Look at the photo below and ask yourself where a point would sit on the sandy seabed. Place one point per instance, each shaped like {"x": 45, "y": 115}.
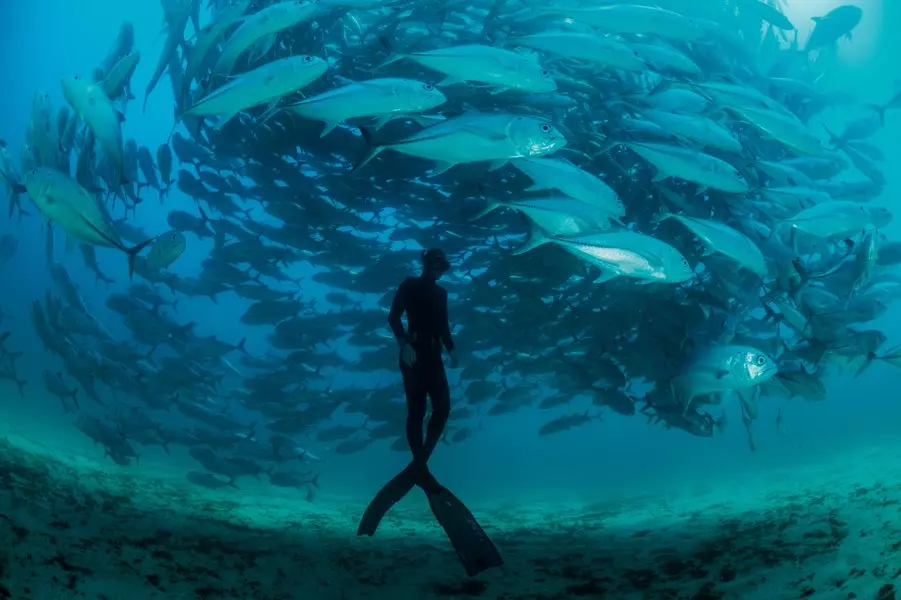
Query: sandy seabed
{"x": 71, "y": 528}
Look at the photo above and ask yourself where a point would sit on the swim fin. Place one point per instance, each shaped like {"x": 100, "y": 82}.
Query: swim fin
{"x": 393, "y": 492}
{"x": 473, "y": 546}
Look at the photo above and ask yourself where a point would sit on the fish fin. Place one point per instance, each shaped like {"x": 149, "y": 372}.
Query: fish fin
{"x": 372, "y": 150}
{"x": 662, "y": 215}
{"x": 440, "y": 167}
{"x": 537, "y": 238}
{"x": 391, "y": 59}
{"x": 659, "y": 176}
{"x": 133, "y": 254}
{"x": 271, "y": 109}
{"x": 381, "y": 121}
{"x": 868, "y": 361}
{"x": 449, "y": 81}
{"x": 223, "y": 120}
{"x": 605, "y": 276}
{"x": 490, "y": 206}
{"x": 498, "y": 164}
{"x": 880, "y": 110}
{"x": 330, "y": 126}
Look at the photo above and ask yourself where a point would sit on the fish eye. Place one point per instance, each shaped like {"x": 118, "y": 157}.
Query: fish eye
{"x": 427, "y": 87}
{"x": 544, "y": 73}
{"x": 307, "y": 58}
{"x": 761, "y": 360}
{"x": 546, "y": 128}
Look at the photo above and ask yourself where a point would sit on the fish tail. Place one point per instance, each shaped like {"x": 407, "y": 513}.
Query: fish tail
{"x": 835, "y": 140}
{"x": 490, "y": 206}
{"x": 801, "y": 270}
{"x": 536, "y": 238}
{"x": 133, "y": 255}
{"x": 880, "y": 110}
{"x": 393, "y": 58}
{"x": 15, "y": 187}
{"x": 871, "y": 356}
{"x": 372, "y": 150}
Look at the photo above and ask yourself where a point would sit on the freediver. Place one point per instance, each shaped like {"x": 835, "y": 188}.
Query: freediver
{"x": 421, "y": 365}
{"x": 424, "y": 377}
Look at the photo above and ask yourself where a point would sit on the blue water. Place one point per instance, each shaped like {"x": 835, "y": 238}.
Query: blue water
{"x": 505, "y": 462}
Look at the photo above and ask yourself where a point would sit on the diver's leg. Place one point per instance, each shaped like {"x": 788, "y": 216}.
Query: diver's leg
{"x": 416, "y": 391}
{"x": 393, "y": 491}
{"x": 439, "y": 394}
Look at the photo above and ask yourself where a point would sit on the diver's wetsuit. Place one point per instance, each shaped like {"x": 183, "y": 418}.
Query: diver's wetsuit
{"x": 425, "y": 303}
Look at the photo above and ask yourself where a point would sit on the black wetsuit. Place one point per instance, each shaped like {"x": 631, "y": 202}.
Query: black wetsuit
{"x": 425, "y": 303}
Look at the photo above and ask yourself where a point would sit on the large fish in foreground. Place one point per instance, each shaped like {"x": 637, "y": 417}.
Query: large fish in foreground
{"x": 65, "y": 202}
{"x": 89, "y": 102}
{"x": 267, "y": 22}
{"x": 691, "y": 165}
{"x": 719, "y": 369}
{"x": 386, "y": 99}
{"x": 555, "y": 215}
{"x": 501, "y": 68}
{"x": 265, "y": 84}
{"x": 621, "y": 254}
{"x": 476, "y": 137}
{"x": 560, "y": 174}
{"x": 208, "y": 37}
{"x": 719, "y": 237}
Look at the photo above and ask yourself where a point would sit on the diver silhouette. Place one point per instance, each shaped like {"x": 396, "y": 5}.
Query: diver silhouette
{"x": 422, "y": 369}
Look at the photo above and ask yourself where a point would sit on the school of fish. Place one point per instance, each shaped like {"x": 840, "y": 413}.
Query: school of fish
{"x": 650, "y": 207}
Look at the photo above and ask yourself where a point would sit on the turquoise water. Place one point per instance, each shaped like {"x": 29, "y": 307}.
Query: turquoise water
{"x": 614, "y": 509}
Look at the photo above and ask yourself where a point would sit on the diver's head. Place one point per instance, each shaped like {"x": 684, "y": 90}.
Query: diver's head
{"x": 434, "y": 263}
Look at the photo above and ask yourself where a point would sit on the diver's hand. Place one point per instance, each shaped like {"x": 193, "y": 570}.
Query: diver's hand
{"x": 453, "y": 359}
{"x": 407, "y": 355}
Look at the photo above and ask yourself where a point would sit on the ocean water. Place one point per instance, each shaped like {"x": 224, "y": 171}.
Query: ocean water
{"x": 616, "y": 508}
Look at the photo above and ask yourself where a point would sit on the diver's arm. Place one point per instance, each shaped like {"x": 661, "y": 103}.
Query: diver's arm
{"x": 444, "y": 323}
{"x": 398, "y": 306}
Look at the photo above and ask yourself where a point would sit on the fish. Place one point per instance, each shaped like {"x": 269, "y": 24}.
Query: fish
{"x": 269, "y": 21}
{"x": 562, "y": 175}
{"x": 207, "y": 39}
{"x": 95, "y": 108}
{"x": 265, "y": 84}
{"x": 635, "y": 19}
{"x": 719, "y": 237}
{"x": 165, "y": 250}
{"x": 474, "y": 137}
{"x": 500, "y": 68}
{"x": 66, "y": 203}
{"x": 691, "y": 165}
{"x": 386, "y": 99}
{"x": 723, "y": 368}
{"x": 621, "y": 254}
{"x": 595, "y": 49}
{"x": 118, "y": 81}
{"x": 836, "y": 24}
{"x": 555, "y": 215}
